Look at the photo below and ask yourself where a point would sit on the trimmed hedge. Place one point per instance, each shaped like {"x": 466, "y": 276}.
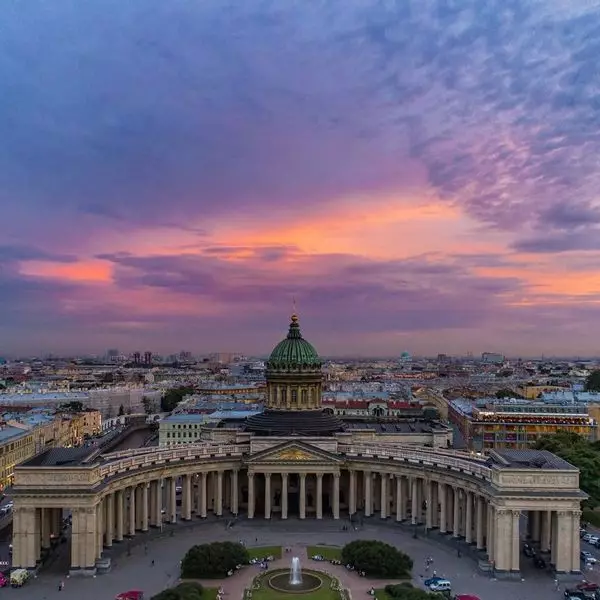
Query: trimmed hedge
{"x": 405, "y": 591}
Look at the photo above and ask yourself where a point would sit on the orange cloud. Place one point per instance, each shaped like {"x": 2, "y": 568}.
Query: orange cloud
{"x": 90, "y": 271}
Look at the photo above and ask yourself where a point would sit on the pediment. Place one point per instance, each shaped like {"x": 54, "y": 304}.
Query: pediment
{"x": 294, "y": 452}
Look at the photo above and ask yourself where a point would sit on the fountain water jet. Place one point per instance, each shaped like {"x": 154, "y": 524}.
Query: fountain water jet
{"x": 295, "y": 572}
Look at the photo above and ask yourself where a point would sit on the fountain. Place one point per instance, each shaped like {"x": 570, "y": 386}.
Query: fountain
{"x": 295, "y": 572}
{"x": 293, "y": 580}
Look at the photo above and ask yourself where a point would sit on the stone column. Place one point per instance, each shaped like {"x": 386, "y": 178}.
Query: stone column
{"x": 284, "y": 495}
{"x": 84, "y": 538}
{"x": 120, "y": 515}
{"x": 503, "y": 533}
{"x": 99, "y": 529}
{"x": 138, "y": 506}
{"x": 515, "y": 554}
{"x": 435, "y": 517}
{"x": 535, "y": 516}
{"x": 19, "y": 539}
{"x": 319, "y": 495}
{"x": 575, "y": 541}
{"x": 132, "y": 512}
{"x": 352, "y": 492}
{"x": 186, "y": 500}
{"x": 110, "y": 520}
{"x": 156, "y": 499}
{"x": 203, "y": 502}
{"x": 490, "y": 537}
{"x": 469, "y": 517}
{"x": 400, "y": 503}
{"x": 443, "y": 508}
{"x": 368, "y": 493}
{"x": 414, "y": 506}
{"x": 479, "y": 523}
{"x": 251, "y": 495}
{"x": 384, "y": 496}
{"x": 145, "y": 507}
{"x": 429, "y": 508}
{"x": 219, "y": 498}
{"x": 234, "y": 492}
{"x": 546, "y": 523}
{"x": 173, "y": 499}
{"x": 336, "y": 495}
{"x": 267, "y": 495}
{"x": 564, "y": 554}
{"x": 456, "y": 515}
{"x": 303, "y": 495}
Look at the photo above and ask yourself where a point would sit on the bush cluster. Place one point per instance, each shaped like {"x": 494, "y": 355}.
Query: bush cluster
{"x": 184, "y": 591}
{"x": 405, "y": 591}
{"x": 210, "y": 561}
{"x": 377, "y": 559}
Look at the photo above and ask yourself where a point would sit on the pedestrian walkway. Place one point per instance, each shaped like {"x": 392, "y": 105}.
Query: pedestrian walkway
{"x": 136, "y": 571}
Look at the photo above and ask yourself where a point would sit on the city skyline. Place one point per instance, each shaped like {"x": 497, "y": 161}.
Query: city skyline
{"x": 417, "y": 177}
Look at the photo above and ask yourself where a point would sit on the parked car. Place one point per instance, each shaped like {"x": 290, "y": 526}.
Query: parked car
{"x": 432, "y": 580}
{"x": 570, "y": 593}
{"x": 588, "y": 557}
{"x": 590, "y": 539}
{"x": 4, "y": 581}
{"x": 588, "y": 586}
{"x": 443, "y": 585}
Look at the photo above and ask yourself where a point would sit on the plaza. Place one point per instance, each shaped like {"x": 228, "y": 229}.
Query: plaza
{"x": 132, "y": 569}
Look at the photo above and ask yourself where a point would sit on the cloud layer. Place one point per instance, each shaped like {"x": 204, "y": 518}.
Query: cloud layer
{"x": 419, "y": 175}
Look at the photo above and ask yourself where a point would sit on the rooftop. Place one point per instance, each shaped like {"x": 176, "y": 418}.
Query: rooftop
{"x": 530, "y": 459}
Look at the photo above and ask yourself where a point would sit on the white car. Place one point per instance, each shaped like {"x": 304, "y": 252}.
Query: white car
{"x": 590, "y": 539}
{"x": 588, "y": 557}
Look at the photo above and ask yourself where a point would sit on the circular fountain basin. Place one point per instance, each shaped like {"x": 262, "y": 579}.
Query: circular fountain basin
{"x": 280, "y": 582}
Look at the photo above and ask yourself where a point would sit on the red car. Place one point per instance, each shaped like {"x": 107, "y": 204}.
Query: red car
{"x": 588, "y": 586}
{"x": 131, "y": 595}
{"x": 4, "y": 581}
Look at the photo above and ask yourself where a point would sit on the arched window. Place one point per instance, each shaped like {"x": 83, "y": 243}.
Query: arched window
{"x": 294, "y": 396}
{"x": 304, "y": 397}
{"x": 282, "y": 395}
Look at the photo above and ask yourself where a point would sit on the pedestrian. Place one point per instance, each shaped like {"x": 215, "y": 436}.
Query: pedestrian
{"x": 152, "y": 562}
{"x": 435, "y": 573}
{"x": 556, "y": 585}
{"x": 146, "y": 549}
{"x": 427, "y": 565}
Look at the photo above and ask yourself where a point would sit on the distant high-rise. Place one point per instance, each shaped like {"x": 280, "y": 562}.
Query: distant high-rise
{"x": 112, "y": 354}
{"x": 147, "y": 358}
{"x": 137, "y": 358}
{"x": 492, "y": 357}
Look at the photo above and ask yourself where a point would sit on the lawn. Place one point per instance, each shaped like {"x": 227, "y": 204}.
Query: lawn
{"x": 323, "y": 593}
{"x": 210, "y": 593}
{"x": 327, "y": 552}
{"x": 262, "y": 551}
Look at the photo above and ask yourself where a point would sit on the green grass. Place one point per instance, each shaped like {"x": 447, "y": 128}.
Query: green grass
{"x": 327, "y": 552}
{"x": 591, "y": 516}
{"x": 262, "y": 551}
{"x": 210, "y": 593}
{"x": 381, "y": 594}
{"x": 323, "y": 593}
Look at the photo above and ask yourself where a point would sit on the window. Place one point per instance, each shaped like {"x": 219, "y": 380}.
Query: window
{"x": 304, "y": 397}
{"x": 294, "y": 396}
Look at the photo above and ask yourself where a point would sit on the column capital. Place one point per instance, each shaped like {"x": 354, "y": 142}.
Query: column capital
{"x": 267, "y": 475}
{"x": 577, "y": 513}
{"x": 319, "y": 475}
{"x": 250, "y": 474}
{"x": 336, "y": 475}
{"x": 302, "y": 475}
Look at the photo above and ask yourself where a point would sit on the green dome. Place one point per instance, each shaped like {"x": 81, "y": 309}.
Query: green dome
{"x": 294, "y": 351}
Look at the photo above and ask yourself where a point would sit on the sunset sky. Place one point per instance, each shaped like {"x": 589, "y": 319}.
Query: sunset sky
{"x": 420, "y": 176}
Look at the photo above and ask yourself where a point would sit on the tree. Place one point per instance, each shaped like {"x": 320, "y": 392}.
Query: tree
{"x": 121, "y": 410}
{"x": 147, "y": 402}
{"x": 507, "y": 393}
{"x": 581, "y": 453}
{"x": 592, "y": 383}
{"x": 377, "y": 559}
{"x": 208, "y": 561}
{"x": 174, "y": 396}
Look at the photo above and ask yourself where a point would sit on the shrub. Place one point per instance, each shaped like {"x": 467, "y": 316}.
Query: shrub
{"x": 184, "y": 591}
{"x": 377, "y": 559}
{"x": 408, "y": 592}
{"x": 591, "y": 516}
{"x": 208, "y": 561}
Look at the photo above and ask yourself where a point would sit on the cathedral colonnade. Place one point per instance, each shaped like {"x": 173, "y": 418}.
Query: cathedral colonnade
{"x": 297, "y": 484}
